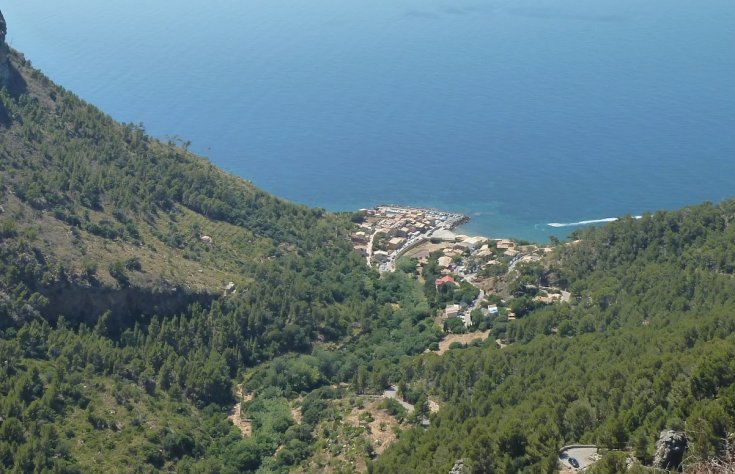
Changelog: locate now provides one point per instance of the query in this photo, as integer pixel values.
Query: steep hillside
(99, 207)
(646, 344)
(124, 347)
(120, 328)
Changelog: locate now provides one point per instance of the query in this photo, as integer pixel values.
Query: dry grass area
(488, 284)
(296, 411)
(427, 246)
(461, 338)
(361, 431)
(381, 430)
(725, 464)
(162, 266)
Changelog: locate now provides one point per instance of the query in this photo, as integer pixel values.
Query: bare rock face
(458, 467)
(5, 73)
(3, 28)
(670, 449)
(10, 79)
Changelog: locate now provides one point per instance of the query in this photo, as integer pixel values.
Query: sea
(533, 117)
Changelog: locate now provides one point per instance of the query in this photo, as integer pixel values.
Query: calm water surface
(519, 113)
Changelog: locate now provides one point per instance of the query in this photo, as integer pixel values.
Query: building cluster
(360, 241)
(387, 231)
(466, 259)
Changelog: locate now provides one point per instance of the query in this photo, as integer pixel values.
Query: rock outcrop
(3, 28)
(10, 79)
(4, 63)
(458, 467)
(670, 449)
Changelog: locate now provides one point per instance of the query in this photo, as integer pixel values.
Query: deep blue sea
(519, 113)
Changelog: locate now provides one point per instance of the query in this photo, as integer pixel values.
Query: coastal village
(389, 231)
(477, 280)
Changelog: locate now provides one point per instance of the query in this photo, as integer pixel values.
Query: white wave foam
(593, 221)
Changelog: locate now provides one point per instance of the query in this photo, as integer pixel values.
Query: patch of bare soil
(235, 415)
(380, 430)
(428, 246)
(296, 414)
(461, 338)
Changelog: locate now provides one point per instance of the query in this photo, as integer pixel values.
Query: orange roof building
(444, 280)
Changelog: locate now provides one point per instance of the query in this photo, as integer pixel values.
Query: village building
(484, 252)
(359, 238)
(396, 243)
(505, 244)
(446, 279)
(530, 258)
(452, 252)
(467, 319)
(451, 311)
(473, 243)
(492, 309)
(445, 261)
(459, 247)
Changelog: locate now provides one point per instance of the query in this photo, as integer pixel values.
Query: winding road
(586, 455)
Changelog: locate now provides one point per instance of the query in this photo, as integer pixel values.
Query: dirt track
(235, 415)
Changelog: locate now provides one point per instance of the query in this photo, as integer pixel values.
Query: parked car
(574, 463)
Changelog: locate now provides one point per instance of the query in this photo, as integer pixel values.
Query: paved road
(515, 260)
(393, 393)
(478, 301)
(370, 250)
(585, 456)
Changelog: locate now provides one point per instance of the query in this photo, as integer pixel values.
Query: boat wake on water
(593, 221)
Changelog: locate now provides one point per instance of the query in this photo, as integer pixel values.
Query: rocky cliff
(670, 449)
(10, 79)
(9, 76)
(4, 63)
(3, 28)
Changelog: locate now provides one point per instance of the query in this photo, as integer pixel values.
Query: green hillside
(146, 296)
(122, 338)
(647, 344)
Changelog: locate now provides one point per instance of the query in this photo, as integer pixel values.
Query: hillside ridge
(148, 297)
